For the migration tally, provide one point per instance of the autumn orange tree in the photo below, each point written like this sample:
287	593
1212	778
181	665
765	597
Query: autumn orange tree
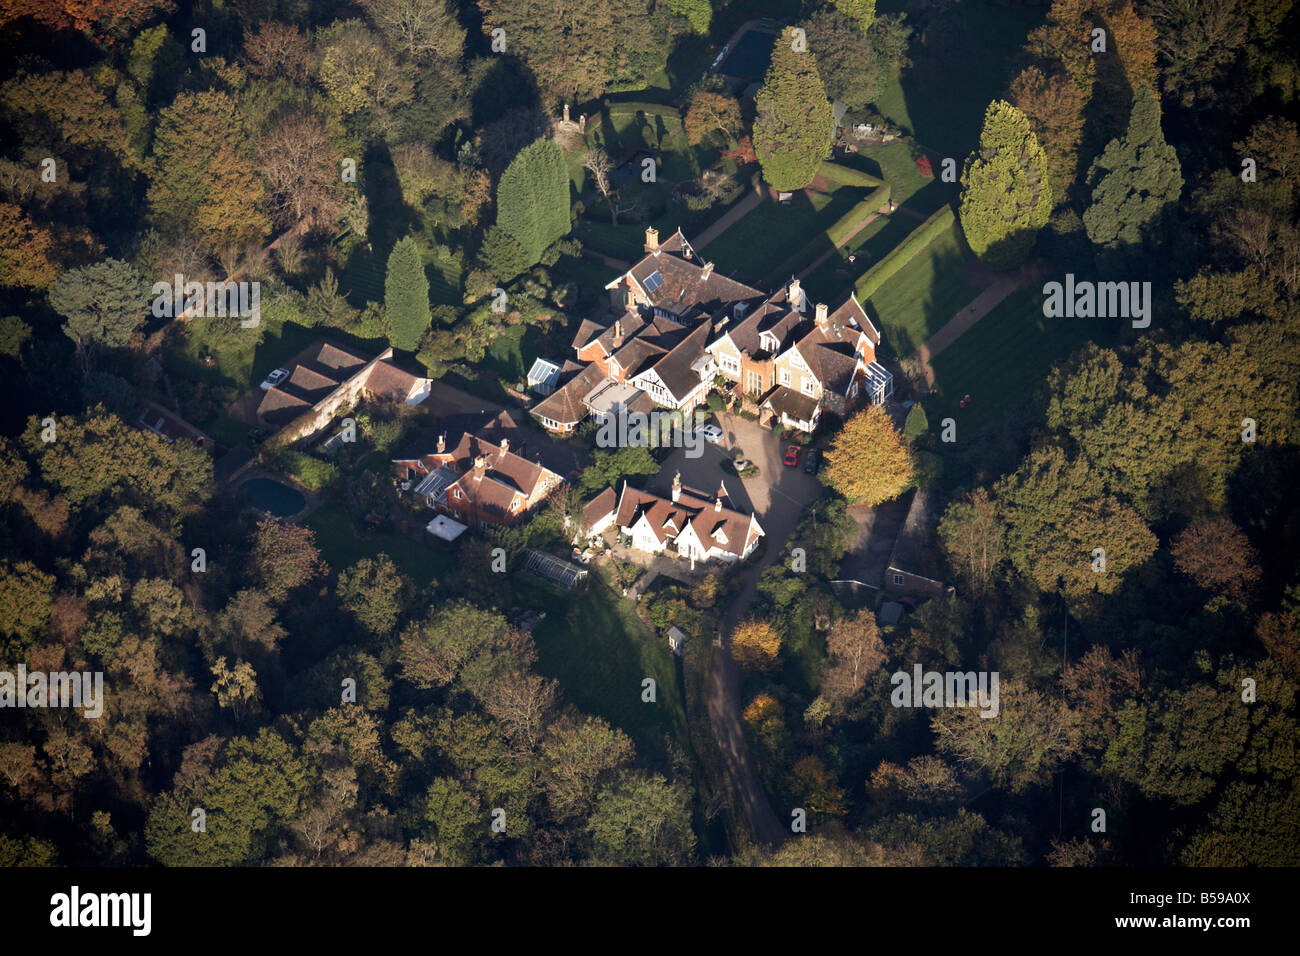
25	250
107	18
868	462
756	645
710	113
1054	107
277	49
1218	557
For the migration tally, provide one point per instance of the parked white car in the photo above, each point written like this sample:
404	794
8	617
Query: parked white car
710	433
275	378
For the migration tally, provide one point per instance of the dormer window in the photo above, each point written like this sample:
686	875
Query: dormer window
768	342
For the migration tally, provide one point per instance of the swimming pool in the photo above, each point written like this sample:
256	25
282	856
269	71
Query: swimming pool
273	497
750	56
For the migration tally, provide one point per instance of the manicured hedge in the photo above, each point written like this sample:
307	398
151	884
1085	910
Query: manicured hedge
844	176
842	231
842	228
903	253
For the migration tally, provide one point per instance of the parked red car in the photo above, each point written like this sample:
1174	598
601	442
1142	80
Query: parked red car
791	456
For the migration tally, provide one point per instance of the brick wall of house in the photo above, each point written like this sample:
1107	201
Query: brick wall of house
470	513
765	369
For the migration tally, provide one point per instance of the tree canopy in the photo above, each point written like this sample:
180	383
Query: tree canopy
792	132
1005	194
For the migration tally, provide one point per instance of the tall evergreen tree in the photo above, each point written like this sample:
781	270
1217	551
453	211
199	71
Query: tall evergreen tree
792	132
1005	196
406	296
533	199
1133	180
502	255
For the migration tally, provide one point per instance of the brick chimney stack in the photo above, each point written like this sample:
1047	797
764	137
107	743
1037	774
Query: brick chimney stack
795	295
480	465
505	446
822	317
618	333
651	239
717	504
708	270
442	444
677	486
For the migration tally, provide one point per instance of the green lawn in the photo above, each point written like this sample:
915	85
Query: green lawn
444	281
512	353
626	242
1004	356
342	546
600	661
771	233
922	296
896	165
833	280
968	59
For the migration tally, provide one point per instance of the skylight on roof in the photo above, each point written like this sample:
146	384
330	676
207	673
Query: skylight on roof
653	281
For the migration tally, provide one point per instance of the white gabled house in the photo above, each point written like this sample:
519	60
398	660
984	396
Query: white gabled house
688	524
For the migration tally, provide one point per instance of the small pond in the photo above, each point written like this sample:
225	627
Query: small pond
749	58
273	497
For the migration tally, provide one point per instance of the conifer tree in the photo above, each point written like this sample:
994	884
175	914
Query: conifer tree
533	199
917	424
792	132
406	296
1133	180
1005	195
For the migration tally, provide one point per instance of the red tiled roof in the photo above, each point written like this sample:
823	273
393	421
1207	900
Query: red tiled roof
668	518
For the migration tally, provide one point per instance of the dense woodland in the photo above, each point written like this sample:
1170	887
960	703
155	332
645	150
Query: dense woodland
224	154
